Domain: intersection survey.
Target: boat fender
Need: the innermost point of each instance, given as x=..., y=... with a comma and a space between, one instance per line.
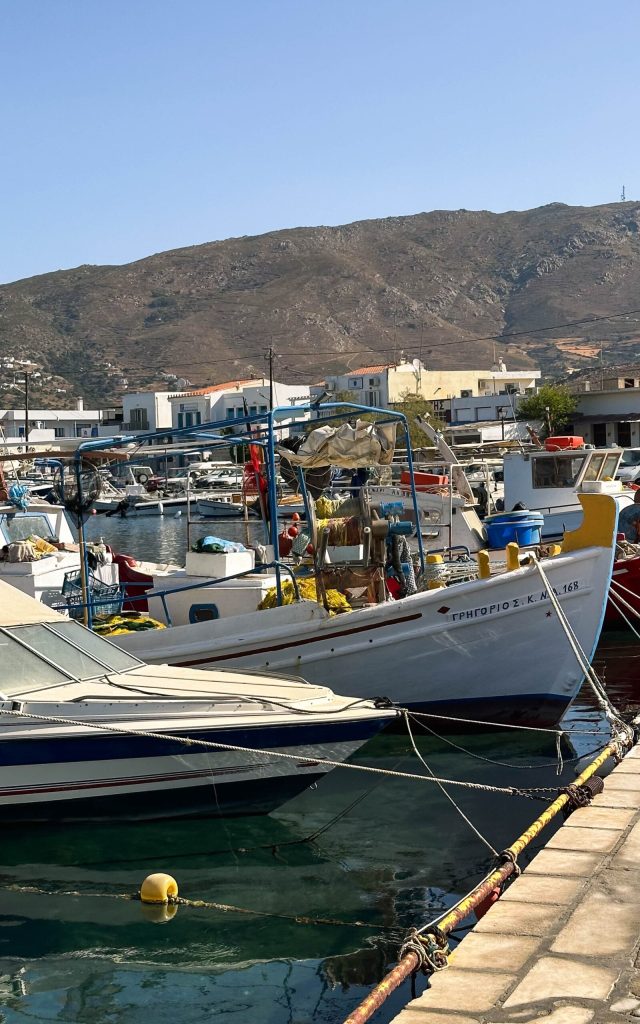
x=158, y=888
x=486, y=904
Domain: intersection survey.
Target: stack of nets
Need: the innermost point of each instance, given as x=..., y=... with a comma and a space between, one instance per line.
x=336, y=601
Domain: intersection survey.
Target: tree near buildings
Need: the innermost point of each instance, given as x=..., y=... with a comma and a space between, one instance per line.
x=553, y=404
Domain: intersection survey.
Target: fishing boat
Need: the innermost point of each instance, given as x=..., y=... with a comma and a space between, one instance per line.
x=546, y=482
x=77, y=717
x=224, y=507
x=472, y=647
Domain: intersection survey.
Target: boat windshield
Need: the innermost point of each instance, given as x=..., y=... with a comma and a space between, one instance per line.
x=50, y=653
x=25, y=524
x=631, y=457
x=556, y=470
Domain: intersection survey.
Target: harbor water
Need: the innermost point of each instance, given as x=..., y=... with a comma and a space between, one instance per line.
x=327, y=885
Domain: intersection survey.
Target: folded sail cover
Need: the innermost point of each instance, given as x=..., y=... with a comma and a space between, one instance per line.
x=366, y=444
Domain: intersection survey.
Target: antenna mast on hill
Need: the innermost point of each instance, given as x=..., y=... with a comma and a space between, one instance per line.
x=623, y=195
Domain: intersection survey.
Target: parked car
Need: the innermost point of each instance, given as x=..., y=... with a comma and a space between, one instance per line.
x=629, y=468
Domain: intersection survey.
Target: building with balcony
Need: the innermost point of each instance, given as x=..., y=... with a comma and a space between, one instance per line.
x=386, y=384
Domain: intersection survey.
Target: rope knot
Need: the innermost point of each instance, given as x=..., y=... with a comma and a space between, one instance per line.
x=430, y=947
x=509, y=857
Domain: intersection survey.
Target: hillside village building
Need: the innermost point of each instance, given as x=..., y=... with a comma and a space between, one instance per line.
x=608, y=410
x=155, y=411
x=49, y=424
x=386, y=384
x=232, y=400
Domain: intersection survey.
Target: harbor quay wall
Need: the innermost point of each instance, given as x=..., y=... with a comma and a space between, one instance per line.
x=562, y=945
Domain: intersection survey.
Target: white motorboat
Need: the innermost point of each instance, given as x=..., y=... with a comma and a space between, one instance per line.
x=76, y=715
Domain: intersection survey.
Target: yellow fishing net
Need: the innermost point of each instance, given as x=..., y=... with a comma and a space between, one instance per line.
x=336, y=601
x=114, y=625
x=326, y=507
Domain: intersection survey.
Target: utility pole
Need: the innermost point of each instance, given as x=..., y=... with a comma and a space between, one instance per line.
x=26, y=408
x=270, y=356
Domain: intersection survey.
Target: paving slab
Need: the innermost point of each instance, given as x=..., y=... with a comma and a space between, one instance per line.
x=630, y=766
x=622, y=780
x=617, y=798
x=629, y=850
x=601, y=817
x=518, y=919
x=563, y=1015
x=419, y=1015
x=472, y=991
x=485, y=951
x=590, y=840
x=572, y=863
x=531, y=888
x=613, y=910
x=562, y=978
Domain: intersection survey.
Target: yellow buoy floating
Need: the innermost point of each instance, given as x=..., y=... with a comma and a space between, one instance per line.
x=158, y=888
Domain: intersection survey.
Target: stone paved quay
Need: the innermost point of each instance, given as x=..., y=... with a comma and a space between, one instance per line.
x=562, y=945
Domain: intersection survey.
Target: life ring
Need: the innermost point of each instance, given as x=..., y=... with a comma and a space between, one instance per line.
x=143, y=478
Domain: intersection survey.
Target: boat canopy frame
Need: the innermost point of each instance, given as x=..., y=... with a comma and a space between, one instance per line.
x=260, y=429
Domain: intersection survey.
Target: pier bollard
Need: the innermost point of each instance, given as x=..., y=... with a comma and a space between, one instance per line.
x=435, y=572
x=513, y=556
x=484, y=565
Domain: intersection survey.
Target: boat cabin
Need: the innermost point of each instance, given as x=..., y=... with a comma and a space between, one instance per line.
x=542, y=480
x=43, y=578
x=549, y=481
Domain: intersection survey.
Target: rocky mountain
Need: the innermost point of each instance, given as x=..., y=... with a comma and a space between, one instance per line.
x=437, y=285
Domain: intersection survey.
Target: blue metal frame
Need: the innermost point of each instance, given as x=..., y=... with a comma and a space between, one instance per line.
x=265, y=437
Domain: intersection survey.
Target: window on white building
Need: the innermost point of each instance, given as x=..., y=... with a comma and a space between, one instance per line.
x=230, y=413
x=58, y=431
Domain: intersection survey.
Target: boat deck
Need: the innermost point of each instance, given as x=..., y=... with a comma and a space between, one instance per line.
x=562, y=943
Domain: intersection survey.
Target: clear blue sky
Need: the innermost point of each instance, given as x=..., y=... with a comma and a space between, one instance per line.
x=132, y=126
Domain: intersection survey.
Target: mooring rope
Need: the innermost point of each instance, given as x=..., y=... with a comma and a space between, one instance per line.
x=226, y=908
x=589, y=672
x=616, y=601
x=530, y=793
x=456, y=806
x=558, y=763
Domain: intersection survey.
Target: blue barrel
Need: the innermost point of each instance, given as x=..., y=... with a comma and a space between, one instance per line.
x=522, y=527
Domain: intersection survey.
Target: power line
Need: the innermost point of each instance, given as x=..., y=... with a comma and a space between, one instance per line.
x=411, y=348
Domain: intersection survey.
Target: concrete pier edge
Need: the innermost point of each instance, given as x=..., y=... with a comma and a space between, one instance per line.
x=562, y=944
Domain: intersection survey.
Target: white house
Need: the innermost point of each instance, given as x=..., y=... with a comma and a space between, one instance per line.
x=146, y=411
x=608, y=410
x=48, y=424
x=385, y=384
x=231, y=400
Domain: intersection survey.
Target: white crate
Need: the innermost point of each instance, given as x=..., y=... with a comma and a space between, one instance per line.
x=213, y=567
